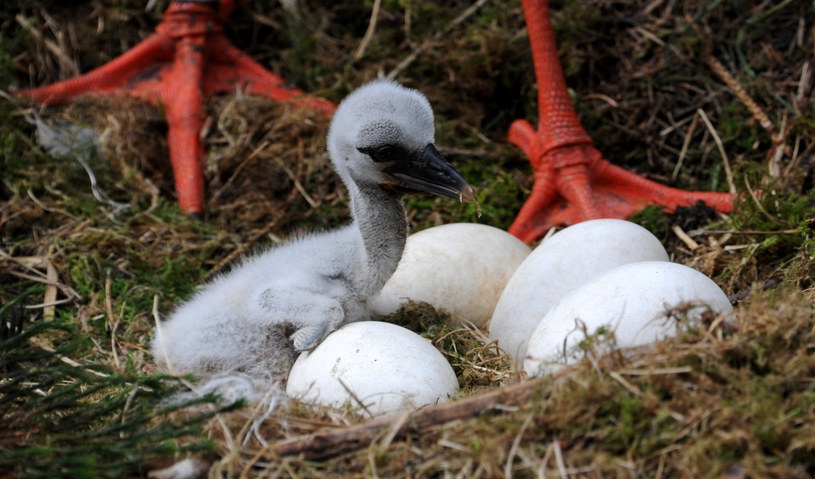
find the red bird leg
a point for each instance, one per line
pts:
(184, 110)
(187, 60)
(558, 124)
(110, 77)
(572, 182)
(651, 192)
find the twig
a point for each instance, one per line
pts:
(544, 461)
(680, 233)
(114, 324)
(326, 444)
(601, 96)
(746, 232)
(720, 318)
(293, 177)
(727, 171)
(354, 396)
(513, 450)
(395, 427)
(630, 387)
(561, 466)
(369, 33)
(46, 305)
(52, 277)
(372, 464)
(685, 146)
(758, 113)
(803, 83)
(47, 208)
(159, 335)
(656, 371)
(728, 79)
(46, 345)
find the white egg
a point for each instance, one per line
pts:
(460, 267)
(560, 264)
(639, 302)
(384, 366)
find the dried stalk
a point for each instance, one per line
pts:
(330, 443)
(758, 113)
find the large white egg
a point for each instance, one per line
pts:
(559, 265)
(384, 366)
(460, 267)
(639, 302)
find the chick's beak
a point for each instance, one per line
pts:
(429, 172)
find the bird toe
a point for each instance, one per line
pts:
(308, 337)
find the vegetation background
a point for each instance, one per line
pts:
(86, 266)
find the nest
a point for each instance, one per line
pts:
(695, 94)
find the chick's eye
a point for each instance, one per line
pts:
(381, 154)
(385, 151)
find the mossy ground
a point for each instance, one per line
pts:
(733, 401)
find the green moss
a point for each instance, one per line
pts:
(654, 219)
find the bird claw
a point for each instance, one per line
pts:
(308, 337)
(572, 181)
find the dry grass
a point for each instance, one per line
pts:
(735, 401)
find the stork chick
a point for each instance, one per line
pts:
(255, 319)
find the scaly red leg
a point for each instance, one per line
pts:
(573, 182)
(187, 60)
